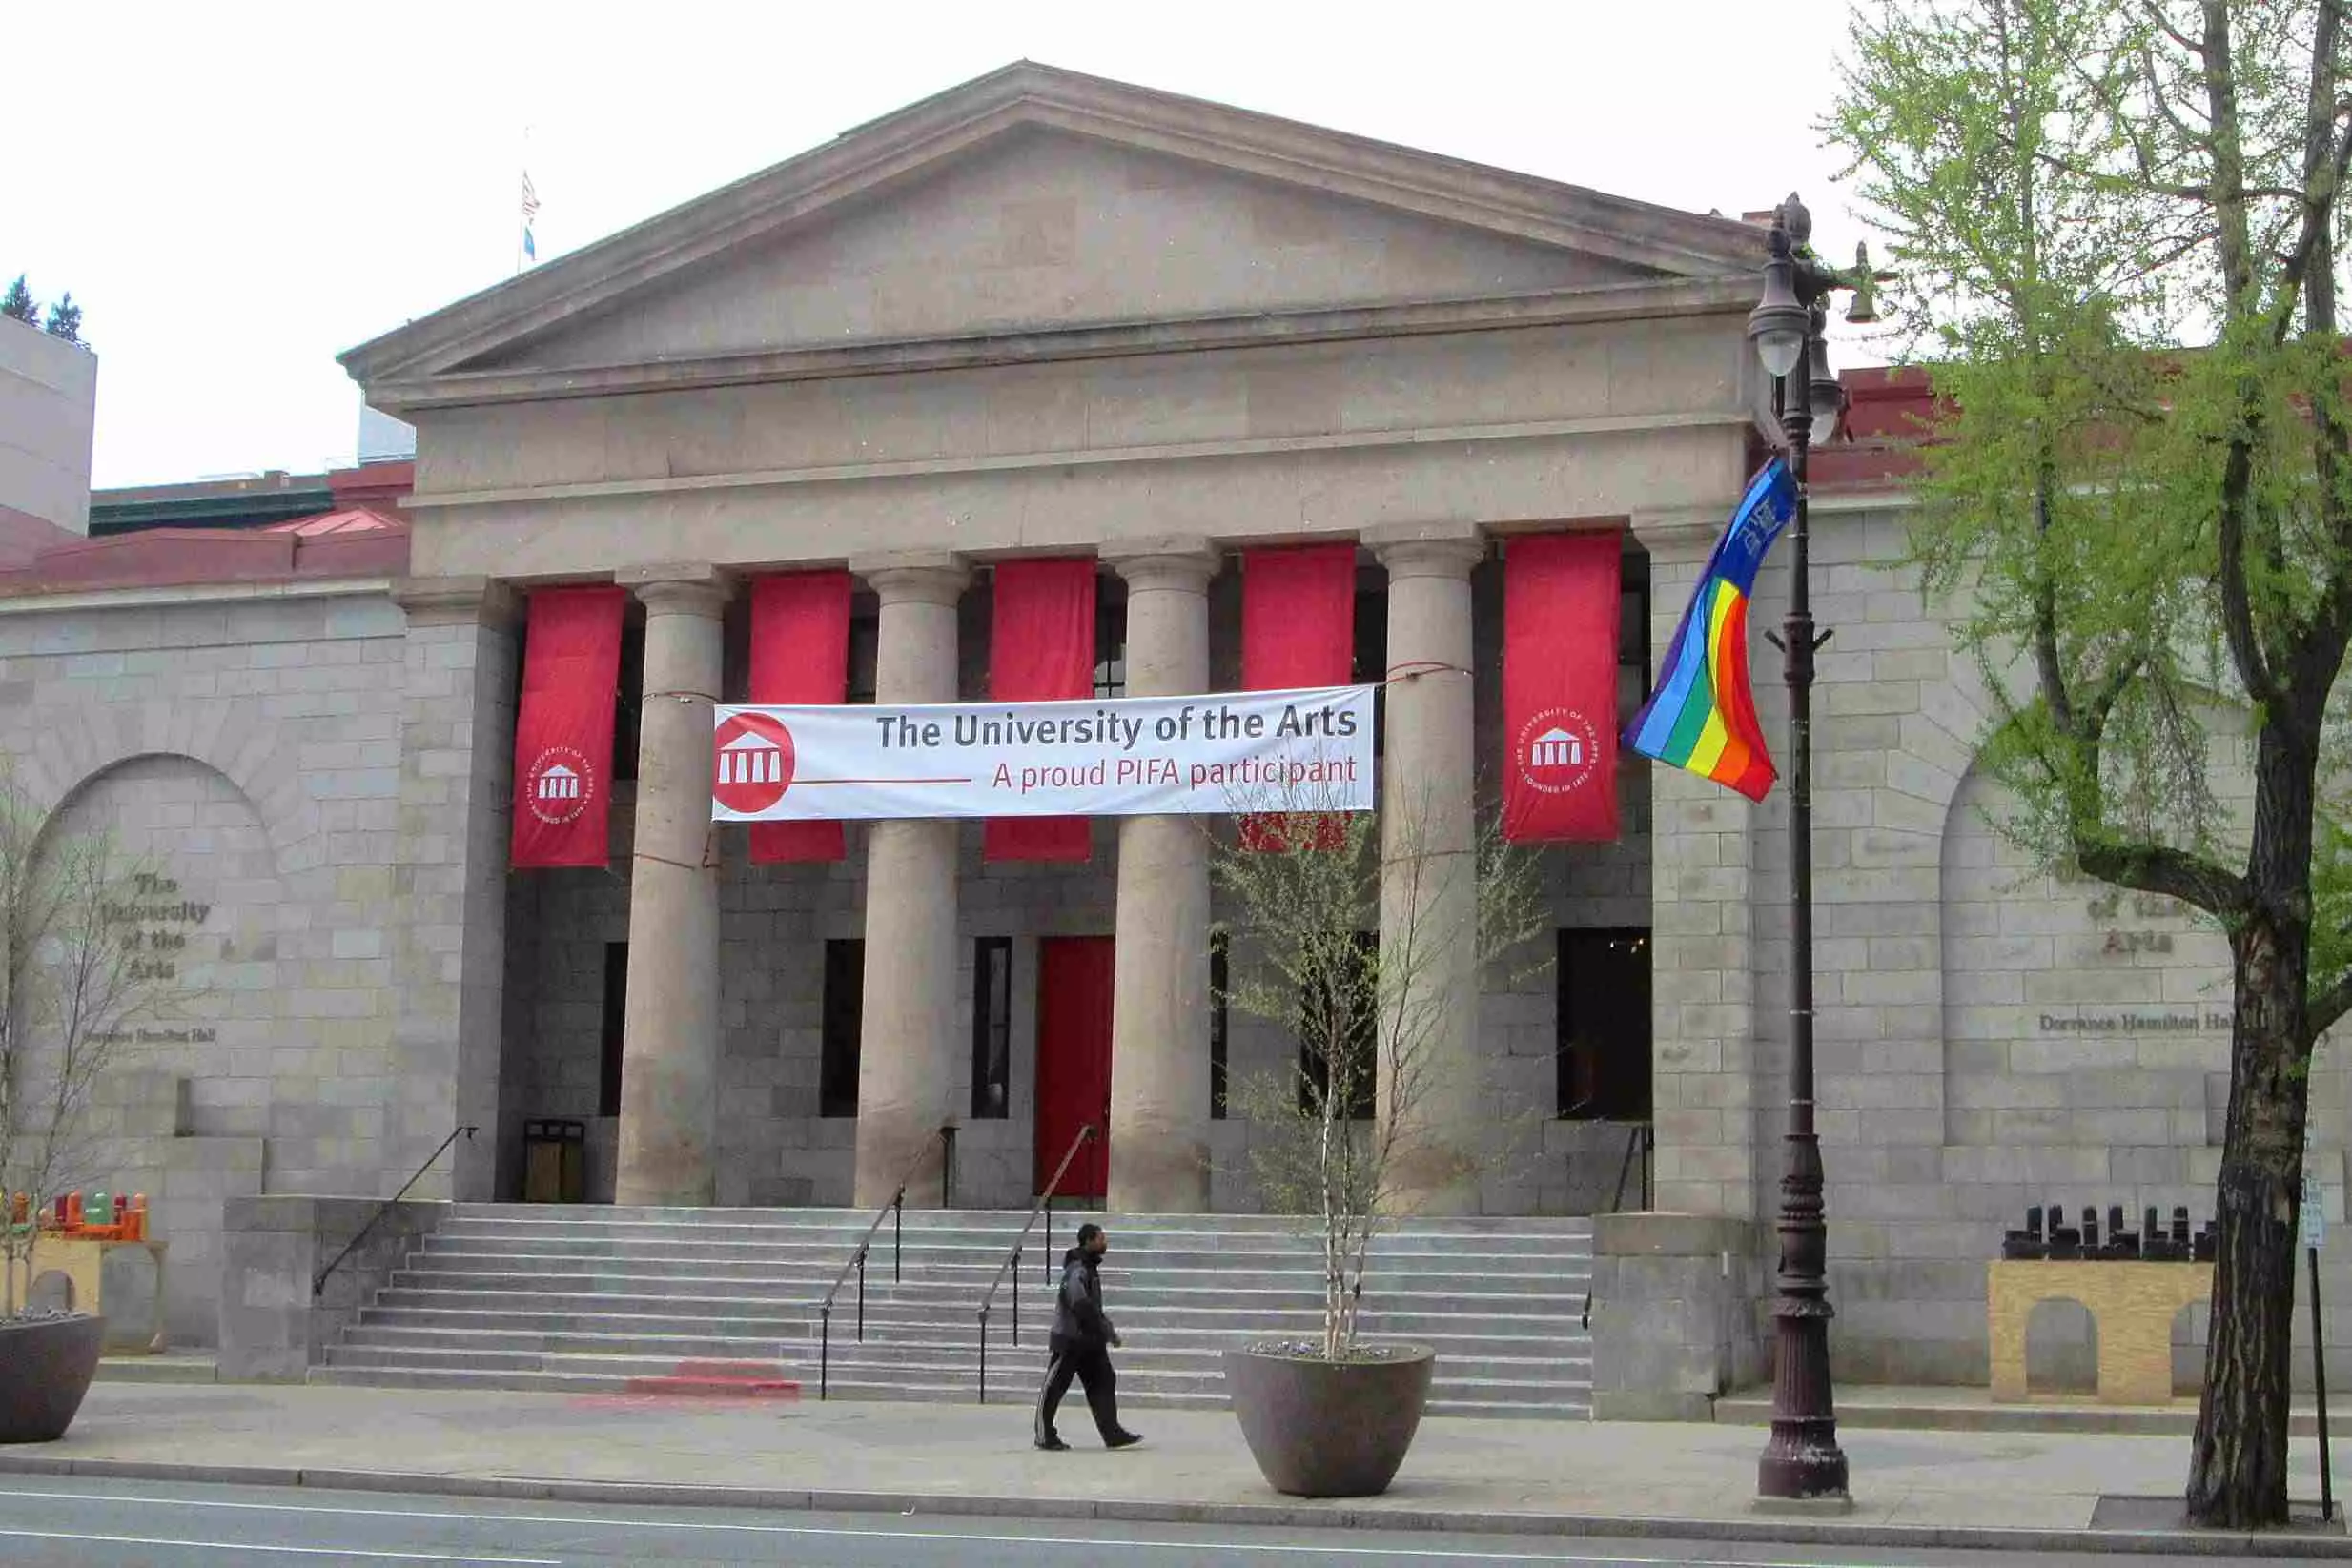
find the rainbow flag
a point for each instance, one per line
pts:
(1702, 717)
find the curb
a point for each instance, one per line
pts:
(1264, 1516)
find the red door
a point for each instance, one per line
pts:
(1073, 1061)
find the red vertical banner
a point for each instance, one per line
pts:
(800, 653)
(571, 681)
(1297, 630)
(1041, 649)
(1560, 627)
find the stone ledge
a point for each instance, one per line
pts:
(1658, 1235)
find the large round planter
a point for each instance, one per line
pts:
(1329, 1429)
(46, 1366)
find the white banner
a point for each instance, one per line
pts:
(1223, 751)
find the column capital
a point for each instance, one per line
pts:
(915, 577)
(1181, 563)
(458, 602)
(1687, 531)
(1427, 549)
(679, 588)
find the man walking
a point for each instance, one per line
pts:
(1080, 1346)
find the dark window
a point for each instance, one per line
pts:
(1633, 640)
(735, 652)
(1370, 650)
(1369, 663)
(1110, 647)
(1218, 971)
(1604, 1014)
(992, 1028)
(1341, 1003)
(844, 1008)
(626, 703)
(616, 1021)
(864, 650)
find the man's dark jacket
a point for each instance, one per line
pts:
(1079, 1322)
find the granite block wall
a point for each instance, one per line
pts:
(245, 748)
(1987, 1035)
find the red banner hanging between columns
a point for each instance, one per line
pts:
(800, 653)
(571, 678)
(1560, 628)
(1297, 630)
(1041, 649)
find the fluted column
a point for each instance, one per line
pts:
(907, 1052)
(1160, 1010)
(669, 1047)
(1428, 1049)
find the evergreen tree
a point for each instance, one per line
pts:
(64, 319)
(18, 302)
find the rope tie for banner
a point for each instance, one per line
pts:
(1419, 667)
(709, 863)
(682, 696)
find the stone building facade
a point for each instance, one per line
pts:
(1046, 314)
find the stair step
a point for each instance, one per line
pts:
(724, 1303)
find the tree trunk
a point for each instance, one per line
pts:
(2238, 1466)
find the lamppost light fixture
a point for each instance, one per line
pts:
(1864, 309)
(1777, 325)
(1824, 393)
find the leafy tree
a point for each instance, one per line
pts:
(18, 302)
(64, 319)
(2117, 227)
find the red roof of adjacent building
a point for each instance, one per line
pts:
(364, 536)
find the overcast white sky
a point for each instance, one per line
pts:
(236, 190)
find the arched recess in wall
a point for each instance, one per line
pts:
(207, 911)
(2080, 1019)
(231, 738)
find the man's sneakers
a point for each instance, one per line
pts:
(1125, 1439)
(1052, 1445)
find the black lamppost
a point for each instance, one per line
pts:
(1802, 1460)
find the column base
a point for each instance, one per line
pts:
(1157, 1174)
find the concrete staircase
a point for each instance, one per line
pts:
(615, 1300)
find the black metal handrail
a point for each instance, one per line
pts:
(894, 1211)
(1641, 1139)
(1013, 1260)
(319, 1285)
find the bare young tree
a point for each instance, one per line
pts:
(72, 983)
(1333, 1131)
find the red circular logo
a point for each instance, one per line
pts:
(558, 785)
(1558, 751)
(753, 764)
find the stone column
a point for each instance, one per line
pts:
(907, 1054)
(1160, 1010)
(669, 1045)
(1428, 1047)
(456, 706)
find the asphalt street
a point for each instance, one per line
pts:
(119, 1524)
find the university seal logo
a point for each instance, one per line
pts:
(1557, 751)
(752, 766)
(560, 785)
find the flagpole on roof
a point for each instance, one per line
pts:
(526, 244)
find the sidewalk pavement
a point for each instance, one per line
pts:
(2030, 1491)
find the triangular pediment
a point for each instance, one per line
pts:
(1037, 202)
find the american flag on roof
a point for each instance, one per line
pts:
(530, 210)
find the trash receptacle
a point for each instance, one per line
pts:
(555, 1161)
